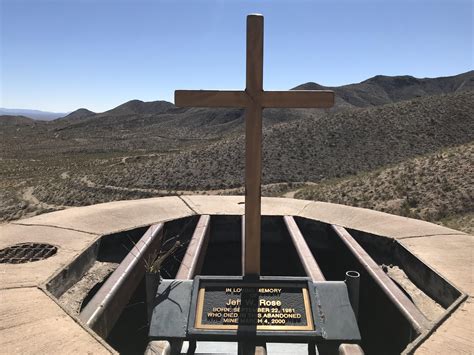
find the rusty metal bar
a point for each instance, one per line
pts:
(310, 265)
(401, 301)
(190, 266)
(103, 310)
(194, 257)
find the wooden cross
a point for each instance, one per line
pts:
(254, 100)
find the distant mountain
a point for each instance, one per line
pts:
(8, 120)
(140, 107)
(78, 114)
(169, 126)
(34, 114)
(381, 89)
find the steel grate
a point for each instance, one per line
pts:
(26, 253)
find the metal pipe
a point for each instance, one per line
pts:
(399, 299)
(352, 283)
(103, 310)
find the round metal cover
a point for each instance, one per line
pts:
(26, 253)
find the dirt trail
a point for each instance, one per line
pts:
(237, 190)
(31, 199)
(292, 193)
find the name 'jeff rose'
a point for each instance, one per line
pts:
(261, 302)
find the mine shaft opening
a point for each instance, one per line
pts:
(381, 324)
(224, 252)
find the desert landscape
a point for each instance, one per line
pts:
(400, 144)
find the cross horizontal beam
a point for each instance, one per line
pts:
(267, 99)
(210, 98)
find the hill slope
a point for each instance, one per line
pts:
(140, 107)
(8, 120)
(432, 187)
(78, 114)
(337, 145)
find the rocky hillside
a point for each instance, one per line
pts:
(78, 114)
(144, 149)
(434, 187)
(339, 144)
(7, 120)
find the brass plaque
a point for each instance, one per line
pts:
(264, 306)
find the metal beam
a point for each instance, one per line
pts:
(401, 301)
(310, 264)
(312, 270)
(194, 257)
(103, 310)
(190, 266)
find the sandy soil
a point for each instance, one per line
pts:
(425, 304)
(72, 298)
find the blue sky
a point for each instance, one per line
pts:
(62, 55)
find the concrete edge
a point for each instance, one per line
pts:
(77, 320)
(415, 344)
(460, 289)
(360, 211)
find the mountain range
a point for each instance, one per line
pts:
(378, 90)
(33, 114)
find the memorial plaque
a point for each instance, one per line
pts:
(263, 306)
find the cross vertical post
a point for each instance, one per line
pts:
(253, 146)
(254, 100)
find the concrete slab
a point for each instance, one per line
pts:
(277, 206)
(69, 243)
(114, 217)
(455, 335)
(216, 205)
(451, 255)
(32, 323)
(234, 205)
(370, 221)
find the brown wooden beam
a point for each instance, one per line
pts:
(253, 146)
(310, 265)
(393, 292)
(298, 98)
(210, 98)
